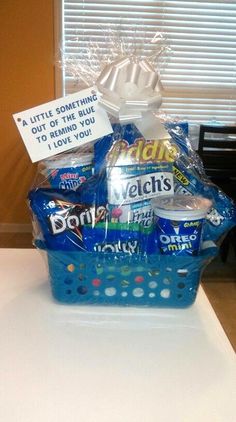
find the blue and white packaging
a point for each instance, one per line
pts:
(221, 217)
(179, 223)
(130, 188)
(61, 215)
(115, 237)
(112, 238)
(137, 170)
(68, 171)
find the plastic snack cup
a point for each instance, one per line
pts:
(179, 223)
(68, 172)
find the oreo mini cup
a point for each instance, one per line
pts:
(179, 223)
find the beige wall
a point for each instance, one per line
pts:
(27, 80)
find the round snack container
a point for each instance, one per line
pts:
(68, 171)
(179, 223)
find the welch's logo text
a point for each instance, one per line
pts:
(60, 223)
(137, 188)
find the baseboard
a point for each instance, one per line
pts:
(15, 228)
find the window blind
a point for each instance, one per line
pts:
(199, 78)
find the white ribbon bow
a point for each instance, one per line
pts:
(129, 88)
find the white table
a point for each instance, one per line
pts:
(86, 364)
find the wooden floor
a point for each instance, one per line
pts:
(218, 281)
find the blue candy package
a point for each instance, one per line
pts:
(119, 238)
(112, 237)
(186, 243)
(129, 133)
(222, 216)
(67, 171)
(186, 154)
(94, 190)
(179, 133)
(61, 215)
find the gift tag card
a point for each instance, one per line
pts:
(62, 124)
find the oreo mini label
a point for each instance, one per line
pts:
(179, 237)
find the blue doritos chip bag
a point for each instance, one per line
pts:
(61, 215)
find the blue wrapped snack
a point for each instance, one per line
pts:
(94, 190)
(128, 133)
(127, 146)
(136, 170)
(179, 221)
(112, 237)
(179, 133)
(222, 216)
(67, 171)
(119, 238)
(62, 214)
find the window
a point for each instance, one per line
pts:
(199, 79)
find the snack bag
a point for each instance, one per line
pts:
(61, 215)
(190, 179)
(112, 238)
(221, 216)
(127, 238)
(179, 221)
(67, 171)
(136, 170)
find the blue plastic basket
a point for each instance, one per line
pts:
(102, 279)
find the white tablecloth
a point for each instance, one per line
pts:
(89, 364)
